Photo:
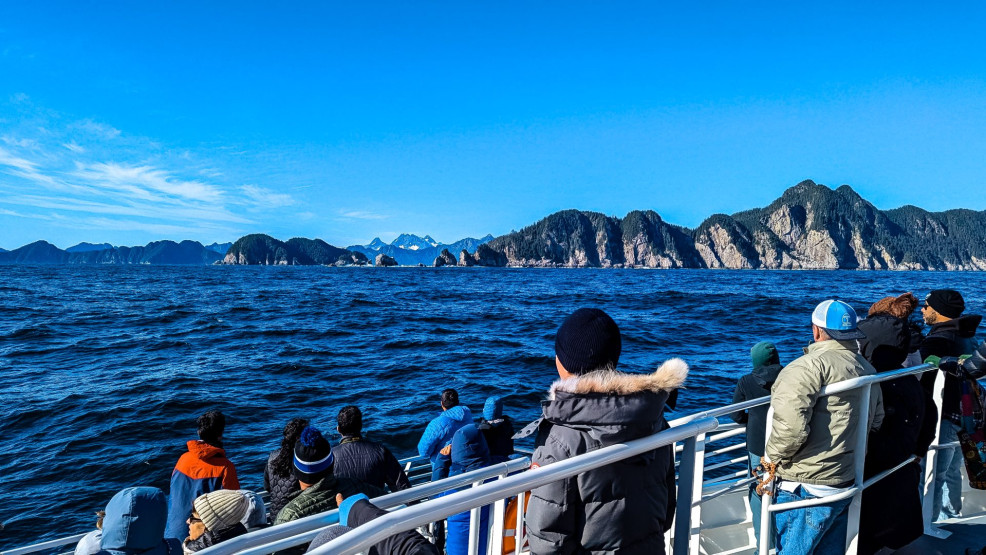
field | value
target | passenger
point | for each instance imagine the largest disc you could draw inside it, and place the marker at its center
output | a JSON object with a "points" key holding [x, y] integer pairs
{"points": [[436, 437], [951, 335], [313, 468], [468, 452], [89, 544], [279, 478], [357, 510], [891, 510], [361, 459], [217, 517], [134, 524], [756, 384], [812, 439], [624, 507], [202, 469], [498, 430]]}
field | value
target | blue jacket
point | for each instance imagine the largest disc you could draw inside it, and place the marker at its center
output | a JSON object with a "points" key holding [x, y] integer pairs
{"points": [[469, 452], [439, 433], [203, 469], [134, 524]]}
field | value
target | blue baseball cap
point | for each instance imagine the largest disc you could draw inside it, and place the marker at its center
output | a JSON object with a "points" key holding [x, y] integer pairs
{"points": [[838, 319]]}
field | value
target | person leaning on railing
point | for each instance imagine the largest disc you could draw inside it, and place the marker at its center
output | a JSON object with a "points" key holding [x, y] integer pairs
{"points": [[812, 439]]}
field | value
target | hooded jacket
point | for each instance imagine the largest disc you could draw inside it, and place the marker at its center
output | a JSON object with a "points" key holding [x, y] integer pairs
{"points": [[891, 509], [754, 386], [439, 433], [498, 430], [204, 468], [134, 524], [368, 461], [813, 438], [949, 339], [358, 510], [469, 452], [624, 507]]}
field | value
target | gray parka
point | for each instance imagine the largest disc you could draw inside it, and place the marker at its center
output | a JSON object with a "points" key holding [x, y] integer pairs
{"points": [[624, 507]]}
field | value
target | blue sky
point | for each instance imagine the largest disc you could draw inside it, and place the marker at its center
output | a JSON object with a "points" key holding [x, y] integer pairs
{"points": [[131, 122]]}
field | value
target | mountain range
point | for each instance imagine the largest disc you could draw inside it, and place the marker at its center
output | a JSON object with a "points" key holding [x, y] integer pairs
{"points": [[810, 226]]}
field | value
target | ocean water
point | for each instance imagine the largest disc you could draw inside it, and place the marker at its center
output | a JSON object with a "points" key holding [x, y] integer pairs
{"points": [[104, 369]]}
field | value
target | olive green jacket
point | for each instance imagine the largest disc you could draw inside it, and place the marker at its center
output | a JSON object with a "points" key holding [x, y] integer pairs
{"points": [[321, 497], [812, 438]]}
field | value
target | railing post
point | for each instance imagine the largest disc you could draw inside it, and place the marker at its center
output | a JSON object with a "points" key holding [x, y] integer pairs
{"points": [[859, 465], [519, 536], [475, 526], [497, 524], [931, 467], [688, 513], [766, 530]]}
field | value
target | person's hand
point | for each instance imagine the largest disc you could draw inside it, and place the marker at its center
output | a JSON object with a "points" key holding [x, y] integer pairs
{"points": [[339, 499], [932, 360], [447, 450]]}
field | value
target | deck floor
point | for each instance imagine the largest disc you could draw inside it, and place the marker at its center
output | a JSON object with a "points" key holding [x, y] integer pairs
{"points": [[966, 534]]}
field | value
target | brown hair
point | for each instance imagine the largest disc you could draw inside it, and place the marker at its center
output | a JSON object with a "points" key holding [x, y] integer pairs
{"points": [[899, 307]]}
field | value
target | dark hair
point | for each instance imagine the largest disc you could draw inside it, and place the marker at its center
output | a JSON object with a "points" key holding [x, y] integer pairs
{"points": [[283, 463], [450, 398], [211, 426], [350, 420]]}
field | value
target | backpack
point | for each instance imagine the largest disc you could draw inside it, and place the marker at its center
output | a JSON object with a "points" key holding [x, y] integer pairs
{"points": [[972, 432]]}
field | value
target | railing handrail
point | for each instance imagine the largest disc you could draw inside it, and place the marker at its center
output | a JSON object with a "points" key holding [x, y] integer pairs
{"points": [[436, 509]]}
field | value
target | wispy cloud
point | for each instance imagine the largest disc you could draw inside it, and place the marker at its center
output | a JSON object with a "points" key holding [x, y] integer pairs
{"points": [[74, 147], [265, 198], [361, 215]]}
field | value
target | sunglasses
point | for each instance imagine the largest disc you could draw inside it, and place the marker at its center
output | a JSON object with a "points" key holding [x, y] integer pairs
{"points": [[192, 519]]}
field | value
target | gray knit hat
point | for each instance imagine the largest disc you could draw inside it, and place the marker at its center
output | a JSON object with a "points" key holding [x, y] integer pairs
{"points": [[221, 509]]}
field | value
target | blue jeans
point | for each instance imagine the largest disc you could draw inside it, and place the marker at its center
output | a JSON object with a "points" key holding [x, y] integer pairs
{"points": [[818, 530], [948, 475], [754, 498]]}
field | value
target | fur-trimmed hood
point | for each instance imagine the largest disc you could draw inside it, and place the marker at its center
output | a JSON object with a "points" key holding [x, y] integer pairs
{"points": [[611, 406]]}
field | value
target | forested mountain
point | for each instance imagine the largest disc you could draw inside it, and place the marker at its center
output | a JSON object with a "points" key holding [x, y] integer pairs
{"points": [[158, 252], [265, 250]]}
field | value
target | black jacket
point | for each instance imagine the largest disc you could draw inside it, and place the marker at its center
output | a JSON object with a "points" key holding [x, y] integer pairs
{"points": [[891, 509], [361, 512], [499, 435], [949, 339], [282, 489], [753, 386], [368, 461], [212, 537], [624, 507]]}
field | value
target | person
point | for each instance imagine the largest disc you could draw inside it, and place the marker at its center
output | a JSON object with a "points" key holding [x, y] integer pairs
{"points": [[812, 439], [279, 480], [89, 544], [358, 510], [468, 452], [623, 507], [134, 524], [361, 459], [217, 517], [313, 463], [891, 508], [438, 435], [756, 384], [202, 469], [497, 429], [951, 335]]}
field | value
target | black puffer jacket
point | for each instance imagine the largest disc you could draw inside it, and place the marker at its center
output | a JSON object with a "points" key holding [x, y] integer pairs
{"points": [[356, 511], [282, 489], [621, 508], [753, 386], [950, 339], [891, 510], [212, 537], [368, 461]]}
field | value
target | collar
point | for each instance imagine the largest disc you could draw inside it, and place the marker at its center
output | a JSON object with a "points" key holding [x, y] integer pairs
{"points": [[832, 345], [350, 439]]}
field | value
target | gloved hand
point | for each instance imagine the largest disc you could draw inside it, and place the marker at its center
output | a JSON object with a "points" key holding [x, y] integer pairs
{"points": [[950, 365], [933, 360]]}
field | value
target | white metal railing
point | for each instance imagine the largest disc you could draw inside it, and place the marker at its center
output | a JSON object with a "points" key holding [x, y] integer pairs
{"points": [[692, 433]]}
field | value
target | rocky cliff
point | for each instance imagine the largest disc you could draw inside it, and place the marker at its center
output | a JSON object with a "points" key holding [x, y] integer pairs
{"points": [[265, 250]]}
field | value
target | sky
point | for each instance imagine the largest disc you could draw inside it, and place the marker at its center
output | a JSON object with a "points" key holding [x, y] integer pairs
{"points": [[129, 122]]}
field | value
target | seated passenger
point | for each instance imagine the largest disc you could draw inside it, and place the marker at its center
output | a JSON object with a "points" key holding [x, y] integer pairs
{"points": [[624, 507], [134, 524], [468, 452], [357, 510], [89, 544], [279, 480], [498, 430], [313, 463], [217, 517], [202, 469], [361, 459]]}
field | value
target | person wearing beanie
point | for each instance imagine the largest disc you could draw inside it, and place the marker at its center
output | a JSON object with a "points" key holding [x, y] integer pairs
{"points": [[756, 384], [497, 429], [952, 334], [218, 516], [358, 510], [202, 469], [313, 463], [624, 507], [134, 524], [811, 444]]}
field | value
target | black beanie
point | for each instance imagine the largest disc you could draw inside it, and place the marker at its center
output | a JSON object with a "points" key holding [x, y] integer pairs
{"points": [[947, 302], [312, 456], [587, 340]]}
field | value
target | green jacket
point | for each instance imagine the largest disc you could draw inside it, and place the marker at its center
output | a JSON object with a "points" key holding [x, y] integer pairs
{"points": [[321, 497], [812, 438]]}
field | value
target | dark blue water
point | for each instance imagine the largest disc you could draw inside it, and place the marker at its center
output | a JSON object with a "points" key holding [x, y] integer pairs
{"points": [[104, 369]]}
